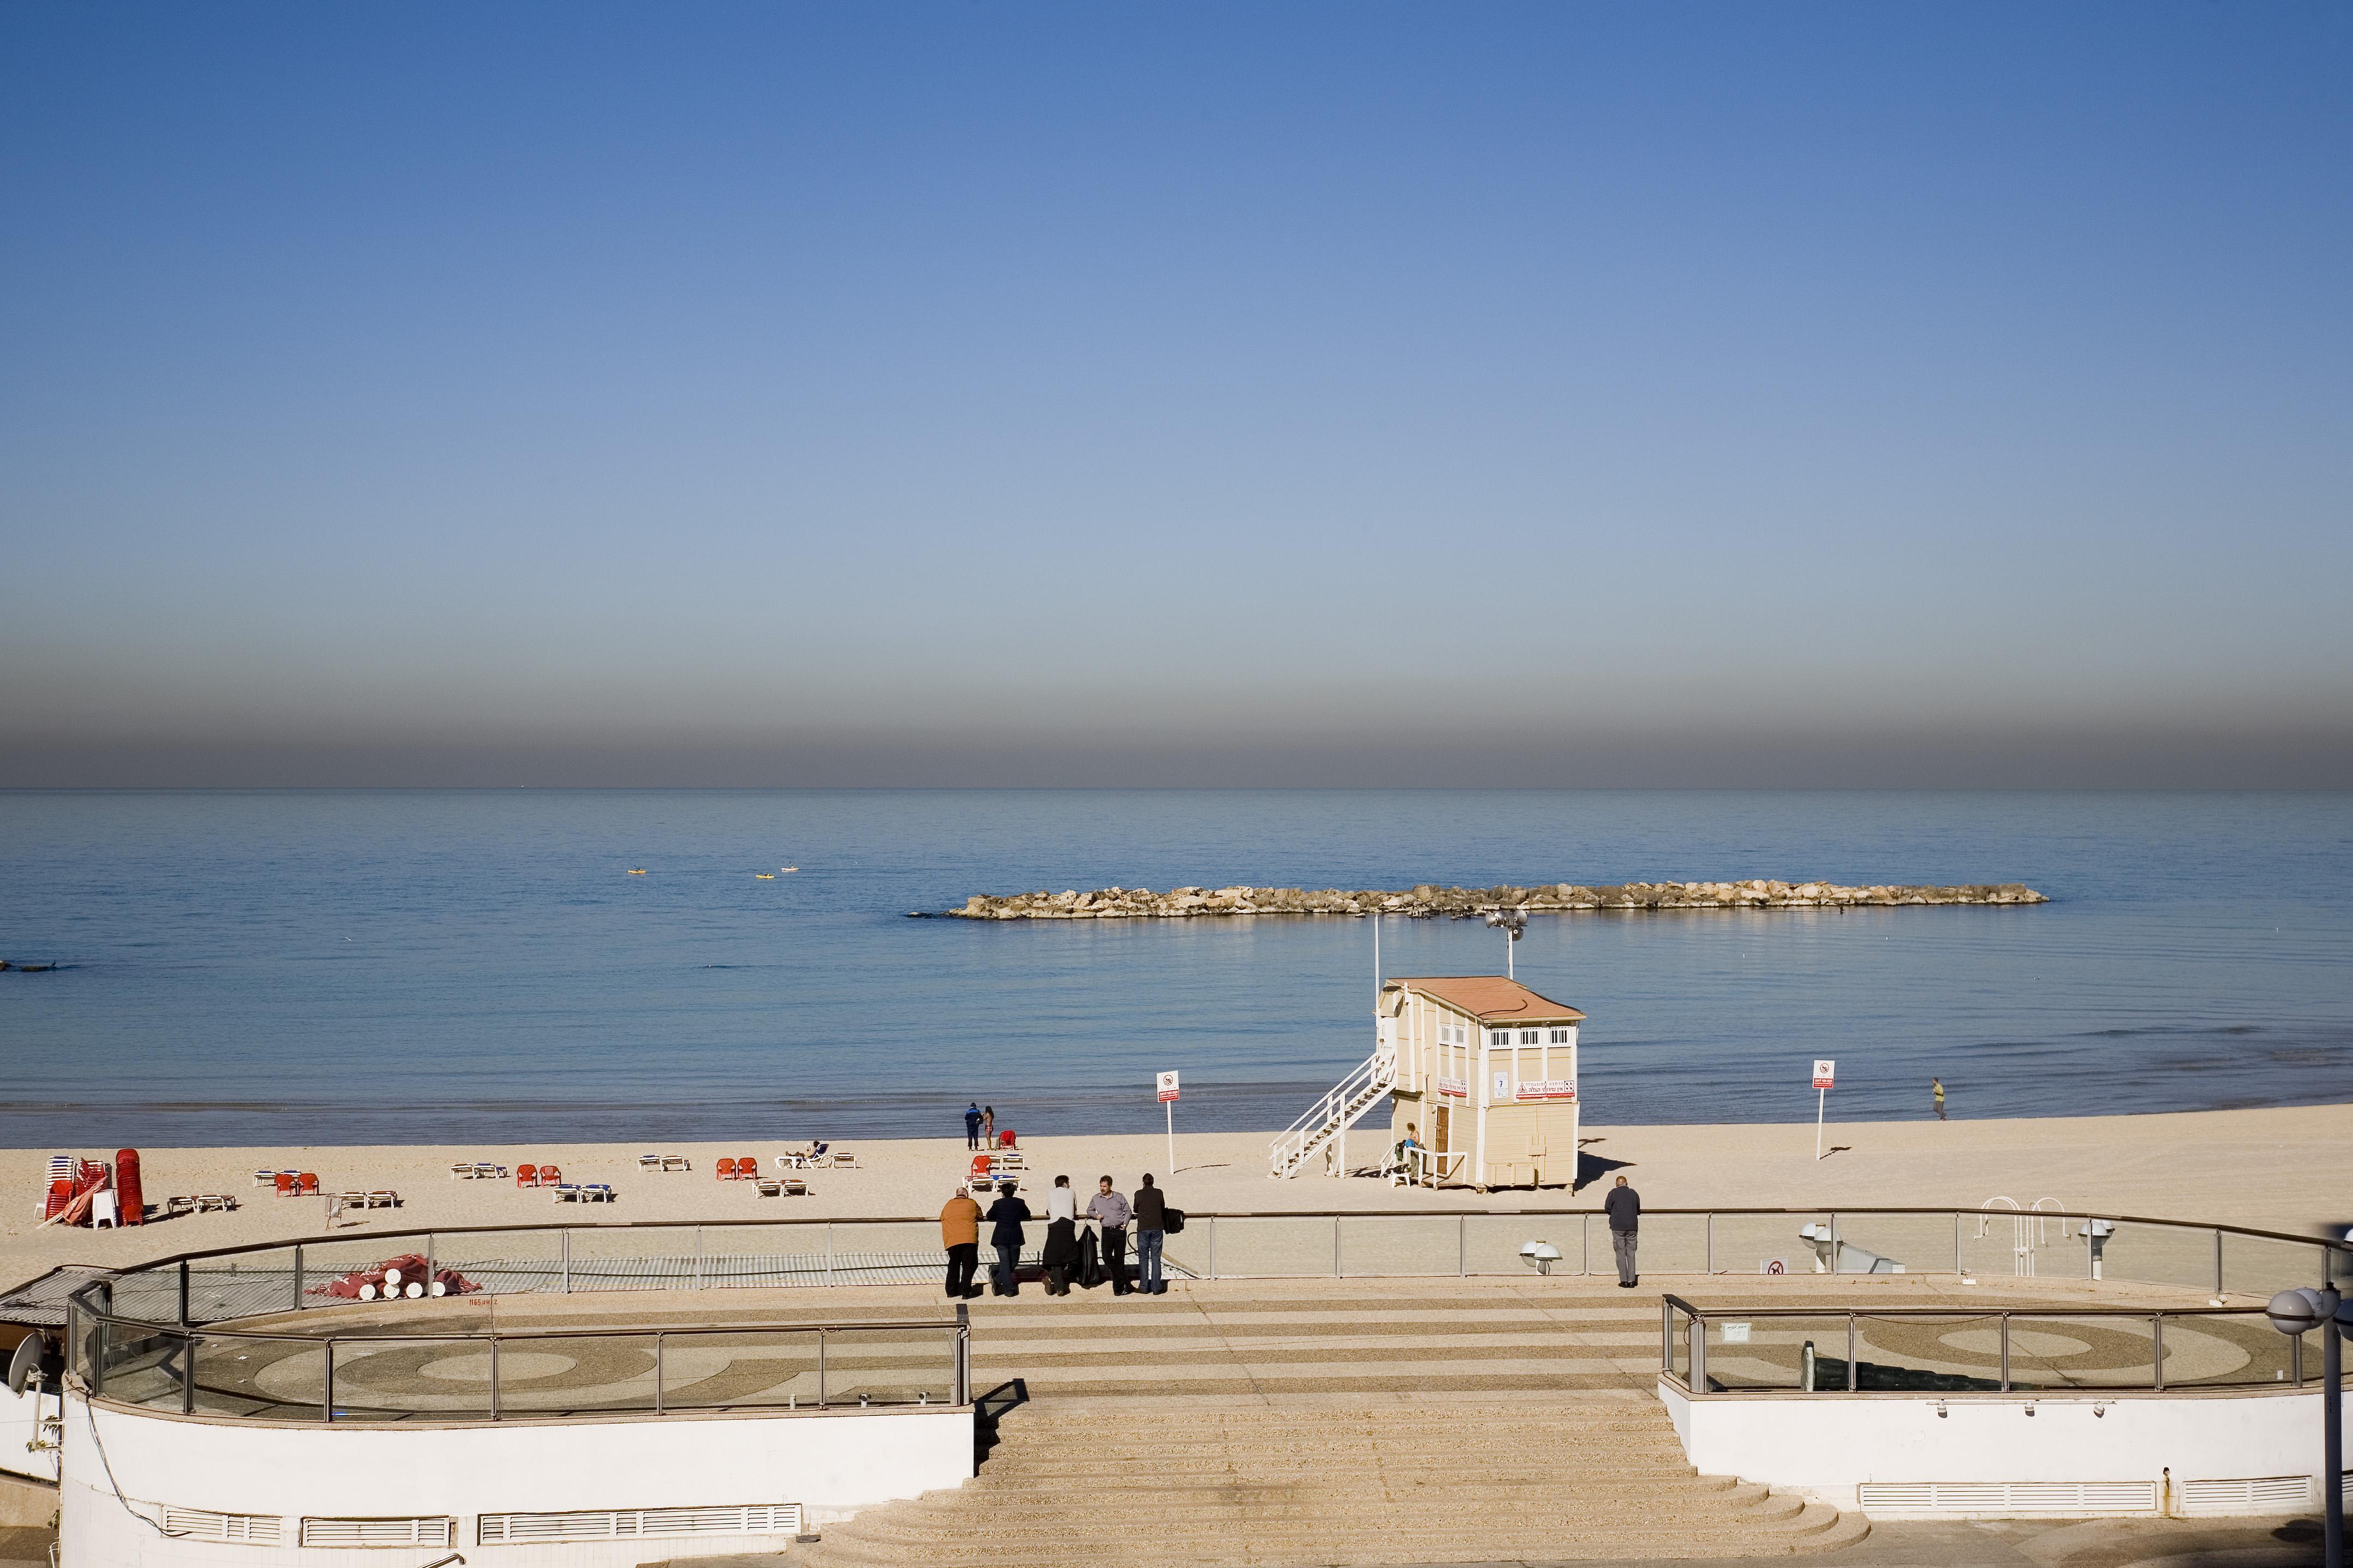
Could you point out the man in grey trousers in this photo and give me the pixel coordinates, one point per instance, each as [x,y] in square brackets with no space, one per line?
[1624,1207]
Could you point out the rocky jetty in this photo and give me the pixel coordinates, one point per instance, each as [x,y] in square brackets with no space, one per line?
[1428,901]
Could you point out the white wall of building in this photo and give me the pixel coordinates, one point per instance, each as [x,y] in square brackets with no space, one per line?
[20,1419]
[832,1463]
[1827,1445]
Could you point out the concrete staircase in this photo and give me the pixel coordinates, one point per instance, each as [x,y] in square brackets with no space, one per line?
[1326,1422]
[1359,1481]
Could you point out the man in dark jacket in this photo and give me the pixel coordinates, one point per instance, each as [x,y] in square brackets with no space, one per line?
[1624,1206]
[972,1125]
[1151,1208]
[1061,1255]
[1004,1217]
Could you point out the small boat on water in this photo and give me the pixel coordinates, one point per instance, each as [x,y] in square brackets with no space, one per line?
[637,870]
[788,868]
[764,876]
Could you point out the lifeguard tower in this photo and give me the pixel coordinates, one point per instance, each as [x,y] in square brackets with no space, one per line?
[1482,1069]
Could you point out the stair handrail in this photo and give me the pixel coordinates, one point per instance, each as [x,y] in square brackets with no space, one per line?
[1337,1106]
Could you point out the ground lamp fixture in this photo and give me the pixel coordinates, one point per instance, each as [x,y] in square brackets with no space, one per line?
[1542,1255]
[1514,924]
[2296,1313]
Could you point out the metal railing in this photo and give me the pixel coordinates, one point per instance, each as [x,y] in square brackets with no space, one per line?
[1946,1352]
[369,1372]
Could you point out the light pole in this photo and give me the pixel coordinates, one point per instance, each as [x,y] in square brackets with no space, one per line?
[1515,923]
[2295,1313]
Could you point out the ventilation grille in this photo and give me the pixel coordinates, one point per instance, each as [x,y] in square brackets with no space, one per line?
[2259,1494]
[2008,1497]
[203,1524]
[438,1531]
[624,1523]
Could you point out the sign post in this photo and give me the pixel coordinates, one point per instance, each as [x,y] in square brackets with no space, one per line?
[1168,1103]
[1825,1073]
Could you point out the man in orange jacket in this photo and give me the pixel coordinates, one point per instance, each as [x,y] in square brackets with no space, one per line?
[960,1233]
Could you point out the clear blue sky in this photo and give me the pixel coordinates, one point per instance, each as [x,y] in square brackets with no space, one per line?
[1268,393]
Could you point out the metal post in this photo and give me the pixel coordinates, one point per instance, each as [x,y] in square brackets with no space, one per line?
[2156,1350]
[567,1260]
[1834,1244]
[432,1269]
[1698,1333]
[1462,1245]
[658,1374]
[327,1384]
[698,1259]
[187,1365]
[1584,1244]
[963,1355]
[2332,1432]
[2005,1352]
[1711,1241]
[828,1280]
[184,1292]
[2217,1260]
[1666,1336]
[1854,1371]
[1958,1266]
[1213,1251]
[494,1377]
[820,1361]
[297,1277]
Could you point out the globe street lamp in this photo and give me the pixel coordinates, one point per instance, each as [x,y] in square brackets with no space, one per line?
[2295,1313]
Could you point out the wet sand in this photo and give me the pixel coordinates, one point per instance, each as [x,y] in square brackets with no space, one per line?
[2288,1169]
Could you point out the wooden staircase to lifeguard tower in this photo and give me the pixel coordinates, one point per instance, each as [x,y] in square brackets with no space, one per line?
[1323,1128]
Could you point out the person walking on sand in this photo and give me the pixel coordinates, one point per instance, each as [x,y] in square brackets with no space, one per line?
[960,1233]
[972,1125]
[1110,1211]
[1004,1217]
[1936,1090]
[1624,1206]
[1151,1210]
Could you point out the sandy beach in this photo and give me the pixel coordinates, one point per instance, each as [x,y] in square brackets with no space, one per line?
[2287,1168]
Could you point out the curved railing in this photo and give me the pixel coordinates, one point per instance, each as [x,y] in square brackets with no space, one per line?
[155,1335]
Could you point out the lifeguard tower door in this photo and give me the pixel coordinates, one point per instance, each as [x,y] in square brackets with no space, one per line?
[1438,1144]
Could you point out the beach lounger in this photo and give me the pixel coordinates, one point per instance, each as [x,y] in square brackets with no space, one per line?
[676,1163]
[261,1178]
[463,1172]
[769,1186]
[596,1192]
[843,1160]
[383,1197]
[567,1192]
[221,1201]
[489,1170]
[352,1200]
[174,1206]
[650,1162]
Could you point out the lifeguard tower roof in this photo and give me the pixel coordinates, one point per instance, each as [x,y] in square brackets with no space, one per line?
[1491,998]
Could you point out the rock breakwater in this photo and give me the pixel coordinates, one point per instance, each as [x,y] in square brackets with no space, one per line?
[1428,901]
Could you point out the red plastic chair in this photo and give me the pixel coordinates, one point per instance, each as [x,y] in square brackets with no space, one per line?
[549,1175]
[726,1170]
[526,1176]
[307,1184]
[1005,1139]
[748,1167]
[285,1184]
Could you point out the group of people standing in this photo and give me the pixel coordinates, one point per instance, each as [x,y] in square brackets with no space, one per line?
[1070,1255]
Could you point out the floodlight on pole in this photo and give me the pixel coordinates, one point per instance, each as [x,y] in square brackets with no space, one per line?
[1514,925]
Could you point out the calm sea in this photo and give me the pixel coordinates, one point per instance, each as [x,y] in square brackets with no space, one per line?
[284,967]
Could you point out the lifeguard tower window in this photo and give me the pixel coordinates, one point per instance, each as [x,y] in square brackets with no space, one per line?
[1500,1037]
[1530,1037]
[1560,1036]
